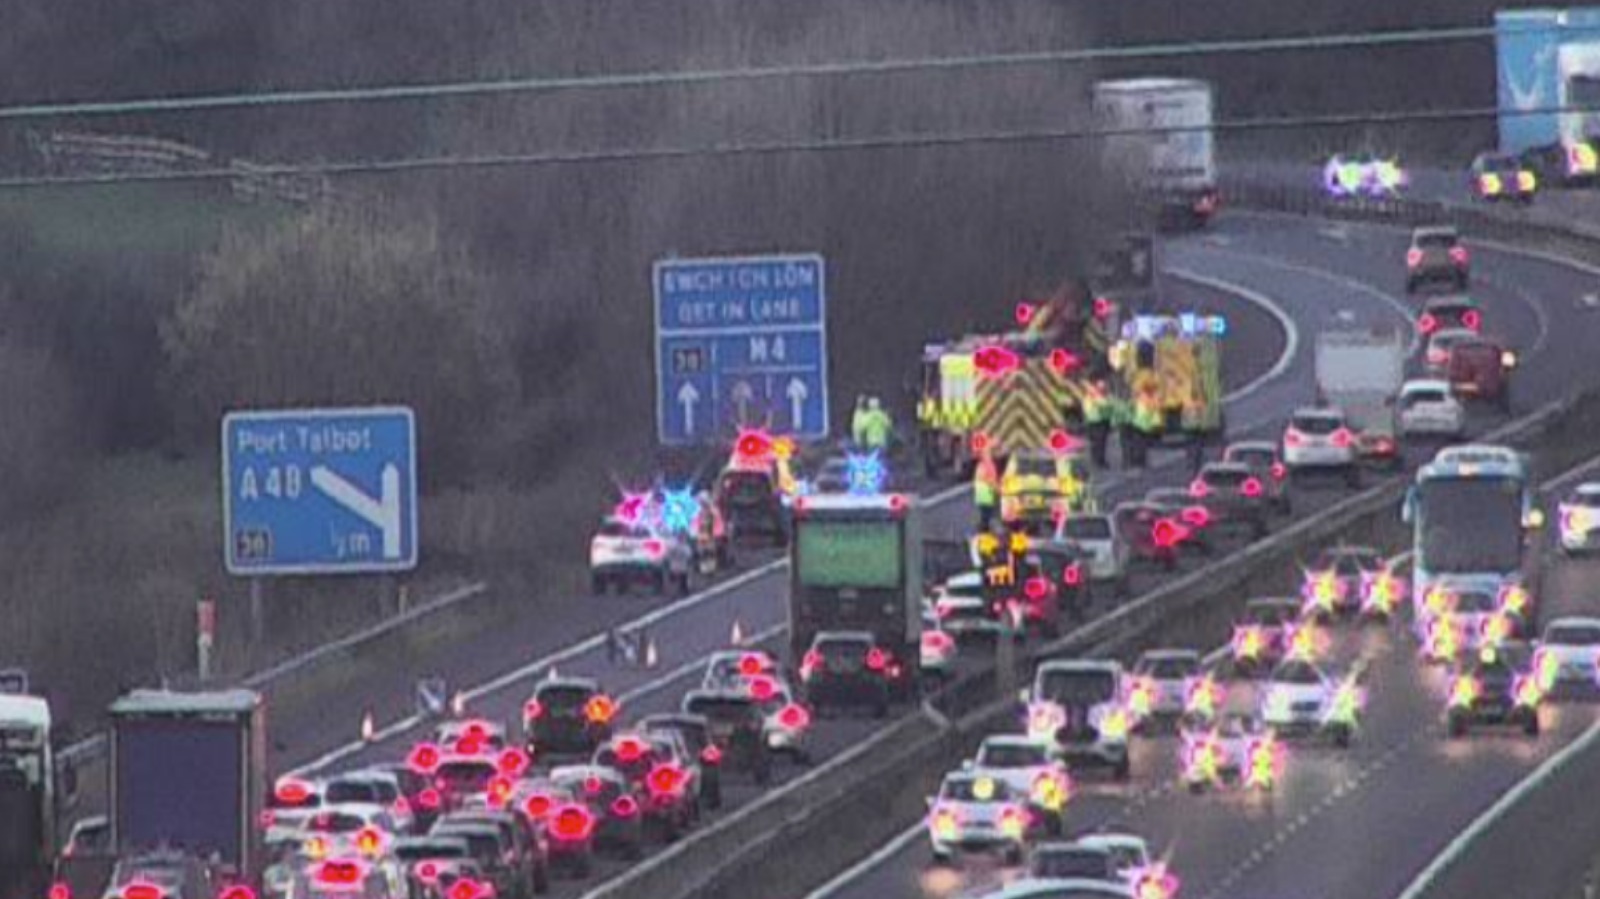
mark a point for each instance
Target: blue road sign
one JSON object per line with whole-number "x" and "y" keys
{"x": 320, "y": 491}
{"x": 741, "y": 342}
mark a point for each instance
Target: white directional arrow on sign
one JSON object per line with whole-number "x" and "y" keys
{"x": 382, "y": 513}
{"x": 688, "y": 397}
{"x": 797, "y": 393}
{"x": 743, "y": 393}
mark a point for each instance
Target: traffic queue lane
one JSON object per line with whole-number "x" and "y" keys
{"x": 708, "y": 624}
{"x": 1354, "y": 822}
{"x": 1533, "y": 301}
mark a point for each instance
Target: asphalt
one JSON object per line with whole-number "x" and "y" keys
{"x": 1363, "y": 822}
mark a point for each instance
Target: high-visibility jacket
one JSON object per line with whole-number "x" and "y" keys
{"x": 1096, "y": 407}
{"x": 876, "y": 430}
{"x": 858, "y": 425}
{"x": 985, "y": 483}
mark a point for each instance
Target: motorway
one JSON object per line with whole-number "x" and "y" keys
{"x": 1311, "y": 274}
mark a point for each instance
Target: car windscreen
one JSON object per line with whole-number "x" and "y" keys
{"x": 482, "y": 842}
{"x": 1036, "y": 467}
{"x": 1573, "y": 634}
{"x": 1075, "y": 688}
{"x": 1298, "y": 673}
{"x": 975, "y": 789}
{"x": 1585, "y": 498}
{"x": 728, "y": 709}
{"x": 369, "y": 791}
{"x": 563, "y": 698}
{"x": 1171, "y": 668}
{"x": 1434, "y": 240}
{"x": 1012, "y": 756}
{"x": 747, "y": 486}
{"x": 1255, "y": 458}
{"x": 1316, "y": 424}
{"x": 1476, "y": 602}
{"x": 335, "y": 822}
{"x": 1226, "y": 478}
{"x": 1423, "y": 397}
{"x": 1086, "y": 528}
{"x": 1271, "y": 614}
{"x": 441, "y": 849}
{"x": 1071, "y": 863}
{"x": 466, "y": 777}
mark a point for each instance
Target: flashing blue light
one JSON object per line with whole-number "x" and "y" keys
{"x": 678, "y": 510}
{"x": 866, "y": 473}
{"x": 1219, "y": 325}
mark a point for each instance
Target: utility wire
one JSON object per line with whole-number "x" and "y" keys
{"x": 535, "y": 85}
{"x": 774, "y": 148}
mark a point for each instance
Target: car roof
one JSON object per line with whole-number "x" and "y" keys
{"x": 1263, "y": 602}
{"x": 1170, "y": 654}
{"x": 568, "y": 682}
{"x": 1329, "y": 412}
{"x": 1106, "y": 666}
{"x": 843, "y": 636}
{"x": 673, "y": 718}
{"x": 1017, "y": 741}
{"x": 1435, "y": 230}
{"x": 1118, "y": 840}
{"x": 1065, "y": 888}
{"x": 1441, "y": 301}
{"x": 1071, "y": 846}
{"x": 1587, "y": 488}
{"x": 1573, "y": 621}
{"x": 1251, "y": 446}
{"x": 367, "y": 810}
{"x": 1224, "y": 468}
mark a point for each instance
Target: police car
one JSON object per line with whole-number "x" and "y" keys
{"x": 977, "y": 813}
{"x": 1042, "y": 485}
{"x": 624, "y": 553}
{"x": 1578, "y": 519}
{"x": 1298, "y": 699}
{"x": 1362, "y": 175}
{"x": 1028, "y": 769}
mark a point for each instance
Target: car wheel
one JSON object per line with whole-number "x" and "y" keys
{"x": 1455, "y": 727}
{"x": 1196, "y": 787}
{"x": 541, "y": 879}
{"x": 597, "y": 585}
{"x": 1341, "y": 737}
{"x": 763, "y": 773}
{"x": 1123, "y": 770}
{"x": 1531, "y": 726}
{"x": 683, "y": 584}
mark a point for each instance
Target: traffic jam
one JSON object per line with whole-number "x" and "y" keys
{"x": 883, "y": 612}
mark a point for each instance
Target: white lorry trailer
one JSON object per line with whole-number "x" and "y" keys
{"x": 1361, "y": 372}
{"x": 1158, "y": 140}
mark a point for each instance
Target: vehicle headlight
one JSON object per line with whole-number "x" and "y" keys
{"x": 1278, "y": 705}
{"x": 1114, "y": 725}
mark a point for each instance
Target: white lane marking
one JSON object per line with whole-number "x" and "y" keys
{"x": 883, "y": 854}
{"x": 1291, "y": 333}
{"x": 597, "y": 641}
{"x": 1348, "y": 283}
{"x": 1503, "y": 806}
{"x": 1541, "y": 318}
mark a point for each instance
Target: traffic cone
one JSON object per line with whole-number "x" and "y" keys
{"x": 369, "y": 729}
{"x": 737, "y": 637}
{"x": 650, "y": 654}
{"x": 458, "y": 704}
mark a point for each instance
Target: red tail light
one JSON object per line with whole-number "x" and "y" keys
{"x": 60, "y": 890}
{"x": 424, "y": 758}
{"x": 629, "y": 749}
{"x": 1459, "y": 255}
{"x": 655, "y": 548}
{"x": 537, "y": 806}
{"x": 751, "y": 664}
{"x": 711, "y": 755}
{"x": 469, "y": 745}
{"x": 1063, "y": 362}
{"x": 572, "y": 822}
{"x": 1279, "y": 472}
{"x": 1072, "y": 576}
{"x": 1024, "y": 313}
{"x": 427, "y": 872}
{"x": 1413, "y": 257}
{"x": 532, "y": 710}
{"x": 794, "y": 717}
{"x": 465, "y": 888}
{"x": 1166, "y": 533}
{"x": 599, "y": 709}
{"x": 1102, "y": 307}
{"x": 810, "y": 663}
{"x": 513, "y": 762}
{"x": 1196, "y": 516}
{"x": 341, "y": 873}
{"x": 1292, "y": 437}
{"x": 1061, "y": 441}
{"x": 428, "y": 799}
{"x": 939, "y": 641}
{"x": 897, "y": 503}
{"x": 1342, "y": 438}
{"x": 141, "y": 890}
{"x": 980, "y": 442}
{"x": 1427, "y": 323}
{"x": 1199, "y": 489}
{"x": 625, "y": 807}
{"x": 996, "y": 361}
{"x": 1035, "y": 588}
{"x": 292, "y": 791}
{"x": 401, "y": 806}
{"x": 664, "y": 779}
{"x": 1473, "y": 319}
{"x": 762, "y": 688}
{"x": 267, "y": 819}
{"x": 753, "y": 445}
{"x": 1251, "y": 488}
{"x": 593, "y": 785}
{"x": 876, "y": 660}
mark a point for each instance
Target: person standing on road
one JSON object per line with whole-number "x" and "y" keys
{"x": 985, "y": 490}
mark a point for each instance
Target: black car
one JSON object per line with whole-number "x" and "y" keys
{"x": 1066, "y": 567}
{"x": 1178, "y": 504}
{"x": 1056, "y": 861}
{"x": 1265, "y": 462}
{"x": 752, "y": 506}
{"x": 695, "y": 731}
{"x": 426, "y": 858}
{"x": 669, "y": 797}
{"x": 847, "y": 668}
{"x": 618, "y": 810}
{"x": 567, "y": 716}
{"x": 735, "y": 727}
{"x": 1496, "y": 685}
{"x": 1451, "y": 312}
{"x": 1233, "y": 495}
{"x": 1153, "y": 535}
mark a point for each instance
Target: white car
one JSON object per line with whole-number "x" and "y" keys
{"x": 1471, "y": 616}
{"x": 1129, "y": 852}
{"x": 977, "y": 813}
{"x": 939, "y": 650}
{"x": 349, "y": 829}
{"x": 787, "y": 723}
{"x": 1578, "y": 519}
{"x": 729, "y": 669}
{"x": 1237, "y": 750}
{"x": 1162, "y": 680}
{"x": 1078, "y": 706}
{"x": 1060, "y": 888}
{"x": 623, "y": 553}
{"x": 1441, "y": 343}
{"x": 1298, "y": 699}
{"x": 470, "y": 736}
{"x": 1319, "y": 438}
{"x": 1097, "y": 536}
{"x": 374, "y": 787}
{"x": 1573, "y": 646}
{"x": 963, "y": 608}
{"x": 1429, "y": 409}
{"x": 1029, "y": 770}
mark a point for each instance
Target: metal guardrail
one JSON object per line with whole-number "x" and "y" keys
{"x": 91, "y": 747}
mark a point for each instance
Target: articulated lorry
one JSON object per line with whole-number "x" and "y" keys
{"x": 27, "y": 797}
{"x": 1158, "y": 139}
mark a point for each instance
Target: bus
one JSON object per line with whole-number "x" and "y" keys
{"x": 27, "y": 796}
{"x": 1470, "y": 511}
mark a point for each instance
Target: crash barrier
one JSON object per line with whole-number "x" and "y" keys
{"x": 1503, "y": 225}
{"x": 804, "y": 832}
